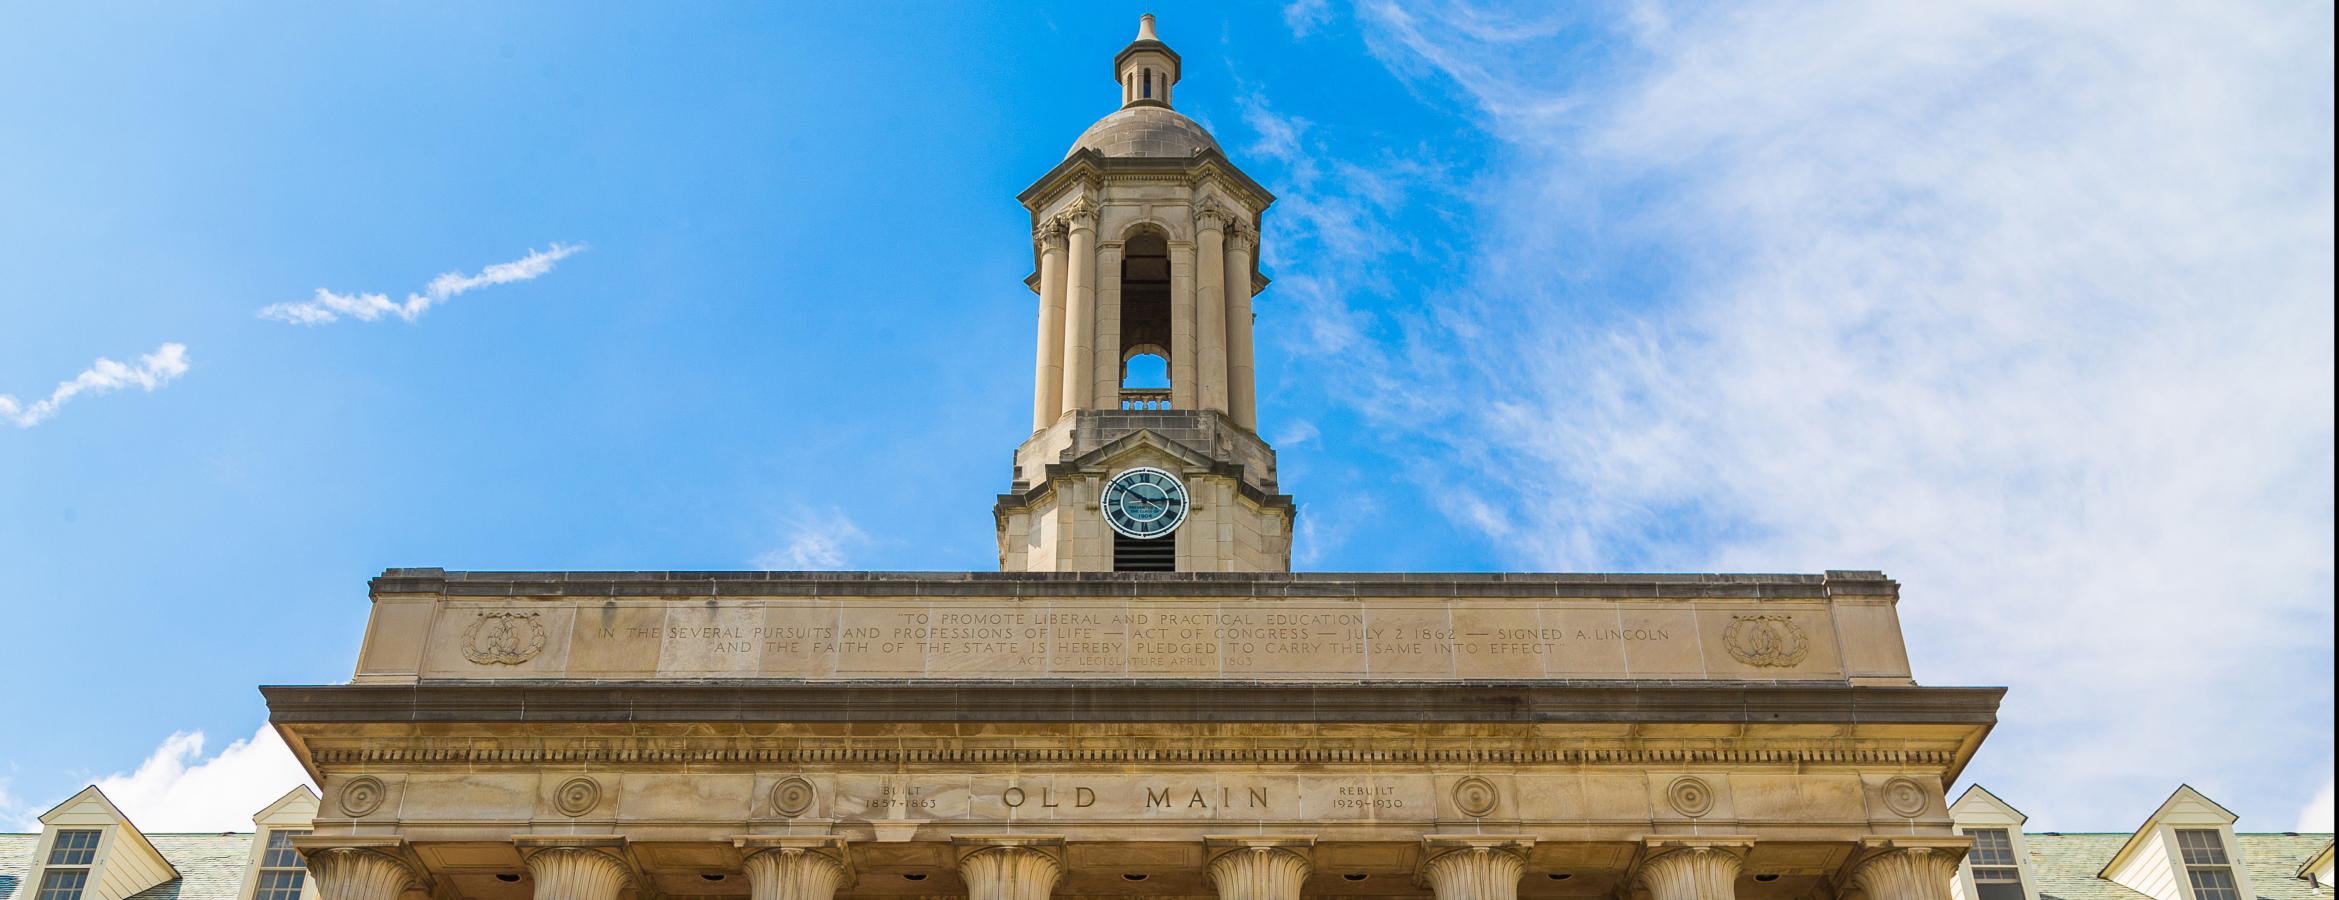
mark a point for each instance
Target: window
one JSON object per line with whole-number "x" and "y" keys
{"x": 70, "y": 857}
{"x": 1997, "y": 874}
{"x": 1149, "y": 84}
{"x": 281, "y": 871}
{"x": 2206, "y": 866}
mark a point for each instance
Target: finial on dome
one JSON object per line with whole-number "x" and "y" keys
{"x": 1146, "y": 68}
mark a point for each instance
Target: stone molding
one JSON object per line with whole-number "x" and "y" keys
{"x": 1473, "y": 867}
{"x": 576, "y": 867}
{"x": 795, "y": 868}
{"x": 1561, "y": 585}
{"x": 1908, "y": 868}
{"x": 1009, "y": 867}
{"x": 356, "y": 868}
{"x": 1259, "y": 867}
{"x": 1705, "y": 868}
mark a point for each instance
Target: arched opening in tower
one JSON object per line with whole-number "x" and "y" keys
{"x": 1145, "y": 321}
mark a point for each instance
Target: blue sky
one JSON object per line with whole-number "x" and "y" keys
{"x": 2025, "y": 304}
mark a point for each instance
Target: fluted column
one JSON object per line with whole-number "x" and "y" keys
{"x": 1047, "y": 392}
{"x": 1210, "y": 304}
{"x": 1009, "y": 869}
{"x": 1269, "y": 869}
{"x": 1242, "y": 397}
{"x": 1693, "y": 873}
{"x": 356, "y": 873}
{"x": 793, "y": 873}
{"x": 1080, "y": 307}
{"x": 1908, "y": 873}
{"x": 577, "y": 873}
{"x": 1183, "y": 393}
{"x": 1475, "y": 868}
{"x": 1108, "y": 324}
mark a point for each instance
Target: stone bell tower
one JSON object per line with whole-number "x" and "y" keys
{"x": 1145, "y": 240}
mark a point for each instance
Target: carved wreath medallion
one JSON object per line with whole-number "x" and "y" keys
{"x": 1768, "y": 640}
{"x": 361, "y": 796}
{"x": 1475, "y": 796}
{"x": 792, "y": 797}
{"x": 1690, "y": 796}
{"x": 1905, "y": 797}
{"x": 577, "y": 796}
{"x": 504, "y": 638}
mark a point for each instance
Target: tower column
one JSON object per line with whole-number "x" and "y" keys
{"x": 1210, "y": 303}
{"x": 1184, "y": 394}
{"x": 1080, "y": 307}
{"x": 1108, "y": 324}
{"x": 1010, "y": 867}
{"x": 1242, "y": 401}
{"x": 1260, "y": 867}
{"x": 1047, "y": 393}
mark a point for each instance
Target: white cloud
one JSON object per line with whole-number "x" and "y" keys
{"x": 1304, "y": 16}
{"x": 152, "y": 371}
{"x": 814, "y": 542}
{"x": 2317, "y": 814}
{"x": 2027, "y": 304}
{"x": 327, "y": 306}
{"x": 178, "y": 789}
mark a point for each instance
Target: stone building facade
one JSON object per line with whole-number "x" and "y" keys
{"x": 1144, "y": 701}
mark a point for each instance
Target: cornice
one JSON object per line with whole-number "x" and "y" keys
{"x": 1855, "y": 586}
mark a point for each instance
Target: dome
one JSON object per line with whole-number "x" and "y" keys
{"x": 1145, "y": 131}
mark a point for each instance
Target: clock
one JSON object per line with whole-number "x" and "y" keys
{"x": 1144, "y": 502}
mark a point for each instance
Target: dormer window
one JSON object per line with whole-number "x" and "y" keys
{"x": 281, "y": 874}
{"x": 67, "y": 872}
{"x": 2207, "y": 868}
{"x": 1997, "y": 874}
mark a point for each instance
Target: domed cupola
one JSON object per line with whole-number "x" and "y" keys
{"x": 1146, "y": 69}
{"x": 1145, "y": 125}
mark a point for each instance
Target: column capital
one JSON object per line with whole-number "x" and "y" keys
{"x": 1259, "y": 866}
{"x": 1050, "y": 234}
{"x": 1692, "y": 867}
{"x": 1009, "y": 867}
{"x": 1210, "y": 215}
{"x": 347, "y": 867}
{"x": 1473, "y": 866}
{"x": 1240, "y": 236}
{"x": 577, "y": 866}
{"x": 795, "y": 867}
{"x": 1908, "y": 868}
{"x": 835, "y": 850}
{"x": 1080, "y": 215}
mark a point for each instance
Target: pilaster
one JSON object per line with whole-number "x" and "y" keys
{"x": 1010, "y": 867}
{"x": 1184, "y": 392}
{"x": 1108, "y": 324}
{"x": 1474, "y": 867}
{"x": 1259, "y": 867}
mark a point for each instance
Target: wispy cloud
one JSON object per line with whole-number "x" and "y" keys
{"x": 152, "y": 371}
{"x": 2317, "y": 815}
{"x": 814, "y": 541}
{"x": 1305, "y": 16}
{"x": 2026, "y": 304}
{"x": 177, "y": 788}
{"x": 328, "y": 306}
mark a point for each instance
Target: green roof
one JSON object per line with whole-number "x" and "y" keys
{"x": 211, "y": 866}
{"x": 2065, "y": 865}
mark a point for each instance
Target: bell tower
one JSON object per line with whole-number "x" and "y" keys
{"x": 1144, "y": 242}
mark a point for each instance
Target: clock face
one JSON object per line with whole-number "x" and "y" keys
{"x": 1144, "y": 502}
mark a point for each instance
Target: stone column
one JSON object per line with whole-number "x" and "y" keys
{"x": 794, "y": 868}
{"x": 358, "y": 873}
{"x": 1080, "y": 308}
{"x": 1259, "y": 867}
{"x": 1242, "y": 399}
{"x": 1047, "y": 393}
{"x": 1210, "y": 304}
{"x": 1474, "y": 867}
{"x": 1692, "y": 873}
{"x": 1909, "y": 872}
{"x": 1183, "y": 393}
{"x": 590, "y": 870}
{"x": 1108, "y": 325}
{"x": 1019, "y": 867}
